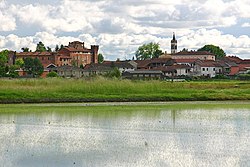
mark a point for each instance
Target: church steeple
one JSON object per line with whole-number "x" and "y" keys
{"x": 173, "y": 45}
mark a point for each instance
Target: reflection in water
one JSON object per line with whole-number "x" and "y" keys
{"x": 126, "y": 138}
{"x": 173, "y": 114}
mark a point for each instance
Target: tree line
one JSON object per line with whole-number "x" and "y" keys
{"x": 152, "y": 50}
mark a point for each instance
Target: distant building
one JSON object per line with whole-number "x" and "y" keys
{"x": 77, "y": 54}
{"x": 173, "y": 45}
{"x": 202, "y": 55}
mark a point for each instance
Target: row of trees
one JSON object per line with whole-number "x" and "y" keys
{"x": 40, "y": 47}
{"x": 33, "y": 67}
{"x": 152, "y": 50}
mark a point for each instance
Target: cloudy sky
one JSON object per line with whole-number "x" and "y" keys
{"x": 121, "y": 26}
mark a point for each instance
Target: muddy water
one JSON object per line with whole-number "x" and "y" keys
{"x": 186, "y": 137}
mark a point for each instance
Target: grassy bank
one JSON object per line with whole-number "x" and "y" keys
{"x": 102, "y": 90}
{"x": 130, "y": 107}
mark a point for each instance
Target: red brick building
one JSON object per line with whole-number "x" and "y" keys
{"x": 77, "y": 54}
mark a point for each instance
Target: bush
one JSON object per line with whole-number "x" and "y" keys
{"x": 52, "y": 74}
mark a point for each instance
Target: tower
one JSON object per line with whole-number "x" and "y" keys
{"x": 173, "y": 45}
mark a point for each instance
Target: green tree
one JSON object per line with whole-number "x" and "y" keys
{"x": 33, "y": 66}
{"x": 148, "y": 51}
{"x": 52, "y": 74}
{"x": 40, "y": 47}
{"x": 3, "y": 61}
{"x": 115, "y": 73}
{"x": 61, "y": 47}
{"x": 25, "y": 49}
{"x": 56, "y": 48}
{"x": 100, "y": 58}
{"x": 19, "y": 63}
{"x": 216, "y": 50}
{"x": 49, "y": 49}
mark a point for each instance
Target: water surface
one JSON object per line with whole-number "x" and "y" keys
{"x": 78, "y": 135}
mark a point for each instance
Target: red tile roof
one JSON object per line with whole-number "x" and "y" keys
{"x": 34, "y": 54}
{"x": 193, "y": 53}
{"x": 185, "y": 60}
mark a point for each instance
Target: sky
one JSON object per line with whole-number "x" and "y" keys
{"x": 119, "y": 27}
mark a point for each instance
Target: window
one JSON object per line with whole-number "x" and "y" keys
{"x": 214, "y": 69}
{"x": 207, "y": 69}
{"x": 203, "y": 69}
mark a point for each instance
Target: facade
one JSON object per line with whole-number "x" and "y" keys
{"x": 77, "y": 54}
{"x": 154, "y": 63}
{"x": 143, "y": 74}
{"x": 46, "y": 58}
{"x": 69, "y": 71}
{"x": 202, "y": 55}
{"x": 208, "y": 68}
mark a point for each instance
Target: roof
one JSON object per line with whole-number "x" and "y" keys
{"x": 118, "y": 64}
{"x": 208, "y": 63}
{"x": 34, "y": 54}
{"x": 233, "y": 59}
{"x": 185, "y": 60}
{"x": 97, "y": 67}
{"x": 193, "y": 53}
{"x": 172, "y": 68}
{"x": 67, "y": 67}
{"x": 145, "y": 63}
{"x": 145, "y": 72}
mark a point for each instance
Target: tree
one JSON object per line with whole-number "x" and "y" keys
{"x": 19, "y": 63}
{"x": 33, "y": 66}
{"x": 3, "y": 61}
{"x": 61, "y": 47}
{"x": 115, "y": 73}
{"x": 52, "y": 74}
{"x": 56, "y": 48}
{"x": 148, "y": 51}
{"x": 25, "y": 49}
{"x": 49, "y": 49}
{"x": 100, "y": 58}
{"x": 219, "y": 53}
{"x": 40, "y": 47}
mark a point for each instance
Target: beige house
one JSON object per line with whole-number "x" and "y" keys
{"x": 202, "y": 55}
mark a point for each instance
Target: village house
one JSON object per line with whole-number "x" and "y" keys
{"x": 69, "y": 71}
{"x": 143, "y": 74}
{"x": 154, "y": 63}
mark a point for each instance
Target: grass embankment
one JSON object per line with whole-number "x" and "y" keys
{"x": 72, "y": 90}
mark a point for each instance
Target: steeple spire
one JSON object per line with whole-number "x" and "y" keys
{"x": 173, "y": 45}
{"x": 174, "y": 36}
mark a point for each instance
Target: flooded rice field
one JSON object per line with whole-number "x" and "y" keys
{"x": 103, "y": 135}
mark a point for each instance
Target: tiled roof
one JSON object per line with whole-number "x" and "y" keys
{"x": 34, "y": 54}
{"x": 185, "y": 60}
{"x": 146, "y": 72}
{"x": 193, "y": 53}
{"x": 145, "y": 63}
{"x": 172, "y": 68}
{"x": 118, "y": 64}
{"x": 208, "y": 63}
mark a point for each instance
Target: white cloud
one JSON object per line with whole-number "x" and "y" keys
{"x": 120, "y": 27}
{"x": 8, "y": 22}
{"x": 246, "y": 25}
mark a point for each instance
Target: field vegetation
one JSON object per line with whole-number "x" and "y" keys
{"x": 103, "y": 90}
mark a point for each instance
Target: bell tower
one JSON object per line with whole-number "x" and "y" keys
{"x": 173, "y": 45}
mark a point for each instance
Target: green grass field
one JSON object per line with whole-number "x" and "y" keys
{"x": 100, "y": 89}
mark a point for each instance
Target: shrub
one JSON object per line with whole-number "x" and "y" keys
{"x": 52, "y": 74}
